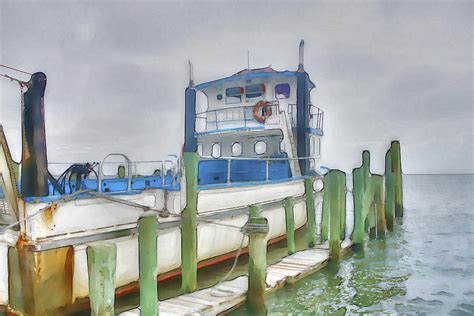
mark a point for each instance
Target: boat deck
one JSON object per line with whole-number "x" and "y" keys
{"x": 231, "y": 294}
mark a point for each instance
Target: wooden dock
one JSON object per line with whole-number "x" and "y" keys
{"x": 230, "y": 294}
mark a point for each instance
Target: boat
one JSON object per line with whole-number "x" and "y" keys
{"x": 253, "y": 138}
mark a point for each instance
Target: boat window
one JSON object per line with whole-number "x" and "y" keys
{"x": 236, "y": 149}
{"x": 234, "y": 95}
{"x": 216, "y": 150}
{"x": 317, "y": 146}
{"x": 254, "y": 91}
{"x": 282, "y": 91}
{"x": 199, "y": 149}
{"x": 260, "y": 147}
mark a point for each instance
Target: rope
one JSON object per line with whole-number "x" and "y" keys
{"x": 64, "y": 199}
{"x": 162, "y": 213}
{"x": 15, "y": 69}
{"x": 247, "y": 229}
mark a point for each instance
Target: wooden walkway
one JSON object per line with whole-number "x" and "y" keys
{"x": 230, "y": 294}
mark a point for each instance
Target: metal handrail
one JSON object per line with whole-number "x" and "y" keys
{"x": 319, "y": 116}
{"x": 129, "y": 171}
{"x": 243, "y": 118}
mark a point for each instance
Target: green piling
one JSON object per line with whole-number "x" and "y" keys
{"x": 310, "y": 212}
{"x": 325, "y": 214}
{"x": 257, "y": 263}
{"x": 397, "y": 171}
{"x": 389, "y": 191}
{"x": 188, "y": 226}
{"x": 334, "y": 202}
{"x": 101, "y": 264}
{"x": 360, "y": 180}
{"x": 290, "y": 225}
{"x": 378, "y": 197}
{"x": 147, "y": 251}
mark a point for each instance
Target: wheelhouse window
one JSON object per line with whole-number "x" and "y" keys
{"x": 236, "y": 149}
{"x": 216, "y": 150}
{"x": 282, "y": 91}
{"x": 234, "y": 95}
{"x": 260, "y": 147}
{"x": 254, "y": 91}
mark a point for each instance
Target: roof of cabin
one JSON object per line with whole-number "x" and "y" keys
{"x": 265, "y": 72}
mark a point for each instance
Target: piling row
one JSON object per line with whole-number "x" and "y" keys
{"x": 377, "y": 201}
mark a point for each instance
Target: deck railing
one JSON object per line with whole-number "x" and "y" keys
{"x": 237, "y": 117}
{"x": 256, "y": 174}
{"x": 167, "y": 170}
{"x": 316, "y": 116}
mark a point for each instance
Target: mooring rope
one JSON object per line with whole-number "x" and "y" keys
{"x": 246, "y": 230}
{"x": 63, "y": 199}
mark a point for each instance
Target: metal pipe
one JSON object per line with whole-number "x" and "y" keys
{"x": 301, "y": 56}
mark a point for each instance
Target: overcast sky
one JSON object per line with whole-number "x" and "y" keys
{"x": 117, "y": 73}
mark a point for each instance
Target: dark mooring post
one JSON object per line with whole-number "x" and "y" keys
{"x": 290, "y": 225}
{"x": 147, "y": 251}
{"x": 101, "y": 264}
{"x": 334, "y": 202}
{"x": 34, "y": 162}
{"x": 257, "y": 229}
{"x": 361, "y": 179}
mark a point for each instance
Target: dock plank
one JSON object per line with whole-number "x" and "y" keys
{"x": 227, "y": 295}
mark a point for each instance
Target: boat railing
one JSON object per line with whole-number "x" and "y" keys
{"x": 235, "y": 117}
{"x": 268, "y": 162}
{"x": 316, "y": 116}
{"x": 168, "y": 170}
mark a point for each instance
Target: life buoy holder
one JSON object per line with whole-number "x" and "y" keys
{"x": 261, "y": 111}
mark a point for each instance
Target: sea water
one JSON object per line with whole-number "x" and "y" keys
{"x": 425, "y": 266}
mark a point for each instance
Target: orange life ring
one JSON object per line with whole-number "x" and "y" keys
{"x": 261, "y": 111}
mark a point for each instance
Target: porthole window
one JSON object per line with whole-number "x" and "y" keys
{"x": 219, "y": 97}
{"x": 260, "y": 147}
{"x": 216, "y": 150}
{"x": 282, "y": 91}
{"x": 236, "y": 149}
{"x": 199, "y": 149}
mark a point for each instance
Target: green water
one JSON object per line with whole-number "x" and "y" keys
{"x": 425, "y": 266}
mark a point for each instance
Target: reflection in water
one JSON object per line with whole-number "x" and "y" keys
{"x": 425, "y": 266}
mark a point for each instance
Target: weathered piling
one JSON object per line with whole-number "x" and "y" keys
{"x": 397, "y": 172}
{"x": 376, "y": 182}
{"x": 188, "y": 226}
{"x": 257, "y": 229}
{"x": 310, "y": 212}
{"x": 361, "y": 184}
{"x": 147, "y": 251}
{"x": 389, "y": 191}
{"x": 334, "y": 208}
{"x": 290, "y": 225}
{"x": 101, "y": 264}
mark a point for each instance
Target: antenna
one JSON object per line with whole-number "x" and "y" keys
{"x": 191, "y": 74}
{"x": 248, "y": 59}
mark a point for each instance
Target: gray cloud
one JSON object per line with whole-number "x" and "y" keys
{"x": 117, "y": 72}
